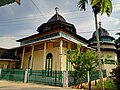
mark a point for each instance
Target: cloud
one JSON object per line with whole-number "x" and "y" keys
{"x": 111, "y": 22}
{"x": 8, "y": 42}
{"x": 6, "y": 11}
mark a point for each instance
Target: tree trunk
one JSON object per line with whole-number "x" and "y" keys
{"x": 99, "y": 54}
{"x": 89, "y": 85}
{"x": 90, "y": 80}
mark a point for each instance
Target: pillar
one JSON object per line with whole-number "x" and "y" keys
{"x": 32, "y": 55}
{"x": 61, "y": 52}
{"x": 65, "y": 79}
{"x": 44, "y": 55}
{"x": 23, "y": 54}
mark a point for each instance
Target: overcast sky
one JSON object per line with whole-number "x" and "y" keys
{"x": 17, "y": 21}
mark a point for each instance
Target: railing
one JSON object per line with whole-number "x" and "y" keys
{"x": 12, "y": 74}
{"x": 37, "y": 76}
{"x": 94, "y": 76}
{"x": 55, "y": 78}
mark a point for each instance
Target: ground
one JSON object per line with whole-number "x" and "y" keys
{"x": 11, "y": 85}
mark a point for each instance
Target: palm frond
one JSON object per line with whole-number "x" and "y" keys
{"x": 82, "y": 4}
{"x": 105, "y": 6}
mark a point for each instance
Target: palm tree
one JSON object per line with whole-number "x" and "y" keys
{"x": 98, "y": 6}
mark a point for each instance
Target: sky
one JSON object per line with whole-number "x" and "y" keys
{"x": 19, "y": 21}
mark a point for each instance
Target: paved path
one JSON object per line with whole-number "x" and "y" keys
{"x": 10, "y": 85}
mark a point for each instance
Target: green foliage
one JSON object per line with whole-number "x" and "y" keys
{"x": 82, "y": 61}
{"x": 98, "y": 6}
{"x": 105, "y": 6}
{"x": 116, "y": 74}
{"x": 108, "y": 84}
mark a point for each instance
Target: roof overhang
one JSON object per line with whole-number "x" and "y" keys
{"x": 12, "y": 60}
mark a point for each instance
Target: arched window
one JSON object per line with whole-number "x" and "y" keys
{"x": 48, "y": 65}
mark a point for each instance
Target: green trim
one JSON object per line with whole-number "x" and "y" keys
{"x": 40, "y": 38}
{"x": 71, "y": 38}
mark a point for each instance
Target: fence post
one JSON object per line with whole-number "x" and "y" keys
{"x": 65, "y": 79}
{"x": 88, "y": 74}
{"x": 0, "y": 73}
{"x": 26, "y": 76}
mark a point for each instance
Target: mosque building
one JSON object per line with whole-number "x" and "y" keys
{"x": 46, "y": 50}
{"x": 108, "y": 49}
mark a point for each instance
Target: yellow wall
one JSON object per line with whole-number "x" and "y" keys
{"x": 107, "y": 46}
{"x": 26, "y": 59}
{"x": 113, "y": 55}
{"x": 5, "y": 64}
{"x": 109, "y": 67}
{"x": 59, "y": 60}
{"x": 56, "y": 57}
{"x": 64, "y": 59}
{"x": 38, "y": 60}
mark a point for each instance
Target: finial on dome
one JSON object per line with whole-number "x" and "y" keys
{"x": 56, "y": 9}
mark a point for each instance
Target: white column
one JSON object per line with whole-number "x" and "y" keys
{"x": 26, "y": 76}
{"x": 65, "y": 79}
{"x": 44, "y": 55}
{"x": 23, "y": 54}
{"x": 88, "y": 75}
{"x": 32, "y": 55}
{"x": 61, "y": 51}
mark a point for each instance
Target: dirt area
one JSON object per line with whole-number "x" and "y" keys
{"x": 11, "y": 85}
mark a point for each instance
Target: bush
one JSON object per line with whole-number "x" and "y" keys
{"x": 108, "y": 85}
{"x": 116, "y": 76}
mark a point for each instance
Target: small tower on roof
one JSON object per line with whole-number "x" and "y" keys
{"x": 57, "y": 17}
{"x": 56, "y": 9}
{"x": 107, "y": 47}
{"x": 56, "y": 21}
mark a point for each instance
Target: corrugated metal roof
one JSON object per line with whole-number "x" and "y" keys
{"x": 7, "y": 54}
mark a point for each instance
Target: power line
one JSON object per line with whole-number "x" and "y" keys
{"x": 71, "y": 11}
{"x": 38, "y": 9}
{"x": 12, "y": 35}
{"x": 28, "y": 18}
{"x": 93, "y": 31}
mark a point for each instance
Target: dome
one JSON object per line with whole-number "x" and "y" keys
{"x": 102, "y": 32}
{"x": 56, "y": 21}
{"x": 103, "y": 36}
{"x": 56, "y": 17}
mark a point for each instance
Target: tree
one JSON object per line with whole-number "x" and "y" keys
{"x": 5, "y": 2}
{"x": 98, "y": 6}
{"x": 82, "y": 61}
{"x": 116, "y": 75}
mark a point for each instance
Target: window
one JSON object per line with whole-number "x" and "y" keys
{"x": 48, "y": 65}
{"x": 73, "y": 46}
{"x": 27, "y": 49}
{"x": 109, "y": 61}
{"x": 65, "y": 44}
{"x": 56, "y": 44}
{"x": 39, "y": 47}
{"x": 83, "y": 49}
